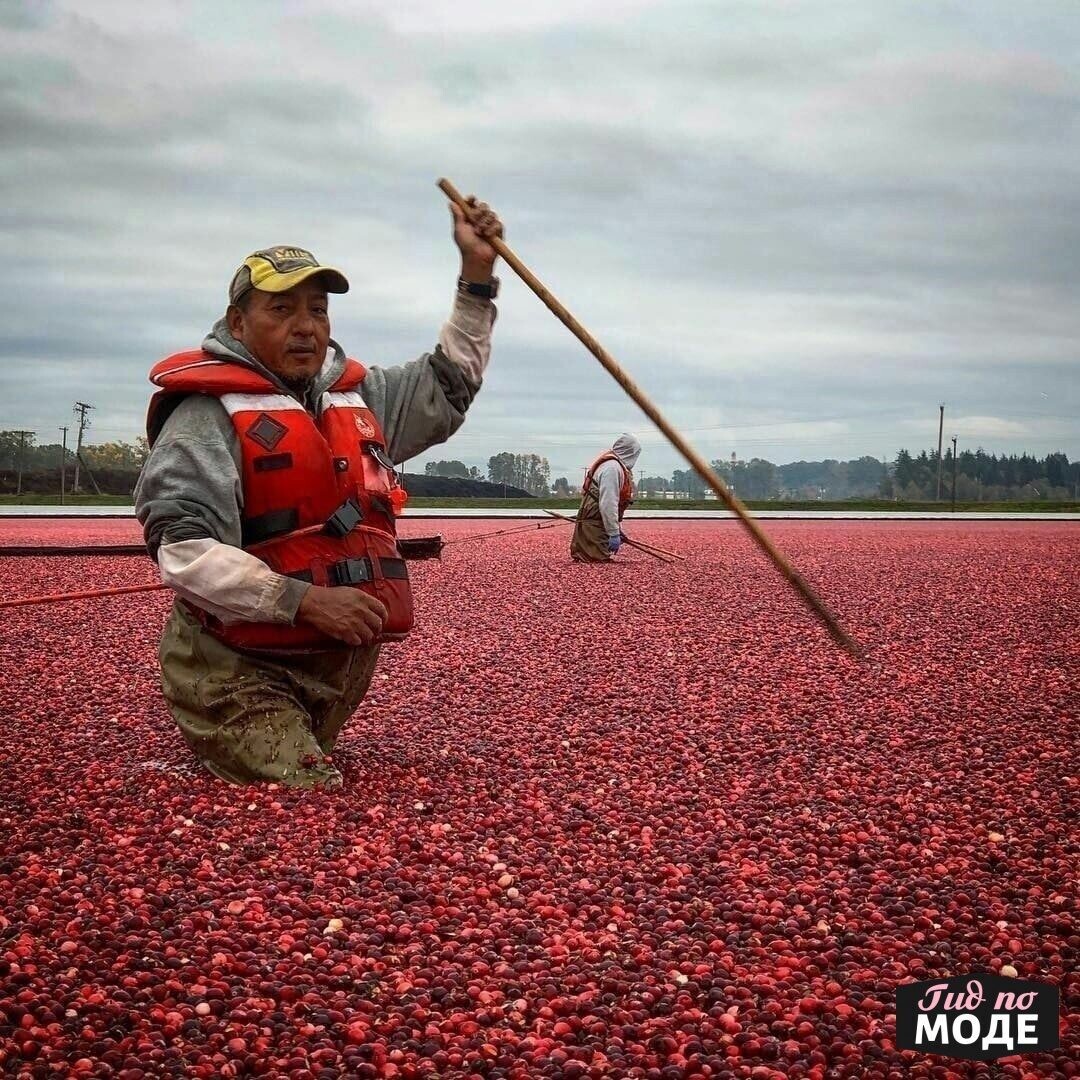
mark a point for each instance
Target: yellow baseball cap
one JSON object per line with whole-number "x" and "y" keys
{"x": 279, "y": 268}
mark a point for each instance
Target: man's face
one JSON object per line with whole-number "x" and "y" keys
{"x": 287, "y": 332}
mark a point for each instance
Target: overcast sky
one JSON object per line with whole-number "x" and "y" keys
{"x": 799, "y": 226}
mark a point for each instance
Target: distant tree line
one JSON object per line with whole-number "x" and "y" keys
{"x": 452, "y": 468}
{"x": 983, "y": 477}
{"x": 759, "y": 479}
{"x": 113, "y": 465}
{"x": 528, "y": 471}
{"x": 980, "y": 477}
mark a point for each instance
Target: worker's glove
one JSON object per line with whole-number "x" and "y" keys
{"x": 614, "y": 543}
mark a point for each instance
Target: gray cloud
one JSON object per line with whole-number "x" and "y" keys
{"x": 800, "y": 227}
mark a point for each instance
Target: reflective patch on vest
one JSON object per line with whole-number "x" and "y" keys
{"x": 235, "y": 403}
{"x": 343, "y": 399}
{"x": 349, "y": 399}
{"x": 161, "y": 377}
{"x": 266, "y": 431}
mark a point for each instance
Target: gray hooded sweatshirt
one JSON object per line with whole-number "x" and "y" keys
{"x": 607, "y": 480}
{"x": 189, "y": 496}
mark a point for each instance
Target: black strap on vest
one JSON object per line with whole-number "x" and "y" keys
{"x": 277, "y": 522}
{"x": 357, "y": 572}
{"x": 266, "y": 526}
{"x": 394, "y": 569}
{"x": 273, "y": 462}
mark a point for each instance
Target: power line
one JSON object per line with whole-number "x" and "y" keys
{"x": 648, "y": 435}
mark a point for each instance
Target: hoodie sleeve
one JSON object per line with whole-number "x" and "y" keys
{"x": 608, "y": 480}
{"x": 423, "y": 403}
{"x": 188, "y": 500}
{"x": 189, "y": 488}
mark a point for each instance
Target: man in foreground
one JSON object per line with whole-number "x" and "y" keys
{"x": 269, "y": 502}
{"x": 607, "y": 491}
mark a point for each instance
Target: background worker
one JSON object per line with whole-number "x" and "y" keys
{"x": 268, "y": 500}
{"x": 607, "y": 491}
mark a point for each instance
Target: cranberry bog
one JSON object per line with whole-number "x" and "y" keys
{"x": 636, "y": 820}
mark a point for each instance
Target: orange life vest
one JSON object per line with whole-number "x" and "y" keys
{"x": 626, "y": 490}
{"x": 320, "y": 494}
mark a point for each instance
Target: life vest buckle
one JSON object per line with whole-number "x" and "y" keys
{"x": 350, "y": 572}
{"x": 344, "y": 519}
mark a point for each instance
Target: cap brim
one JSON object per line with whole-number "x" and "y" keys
{"x": 334, "y": 279}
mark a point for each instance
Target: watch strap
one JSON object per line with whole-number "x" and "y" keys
{"x": 488, "y": 289}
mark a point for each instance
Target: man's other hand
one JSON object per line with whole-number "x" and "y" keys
{"x": 347, "y": 614}
{"x": 614, "y": 543}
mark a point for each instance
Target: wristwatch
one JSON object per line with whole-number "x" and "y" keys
{"x": 489, "y": 289}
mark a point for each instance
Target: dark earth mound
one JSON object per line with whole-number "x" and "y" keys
{"x": 458, "y": 487}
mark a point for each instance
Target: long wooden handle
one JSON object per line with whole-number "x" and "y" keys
{"x": 505, "y": 532}
{"x": 697, "y": 462}
{"x": 653, "y": 547}
{"x": 638, "y": 546}
{"x": 89, "y": 594}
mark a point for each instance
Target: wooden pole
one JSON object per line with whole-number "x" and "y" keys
{"x": 954, "y": 474}
{"x": 940, "y": 429}
{"x": 22, "y": 455}
{"x": 653, "y": 547}
{"x": 506, "y": 532}
{"x": 90, "y": 594}
{"x": 697, "y": 462}
{"x": 412, "y": 548}
{"x": 63, "y": 464}
{"x": 636, "y": 544}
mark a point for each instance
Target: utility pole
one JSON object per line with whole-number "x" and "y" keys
{"x": 22, "y": 450}
{"x": 63, "y": 463}
{"x": 954, "y": 474}
{"x": 940, "y": 429}
{"x": 81, "y": 409}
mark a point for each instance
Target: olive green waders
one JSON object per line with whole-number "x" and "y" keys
{"x": 590, "y": 539}
{"x": 249, "y": 717}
